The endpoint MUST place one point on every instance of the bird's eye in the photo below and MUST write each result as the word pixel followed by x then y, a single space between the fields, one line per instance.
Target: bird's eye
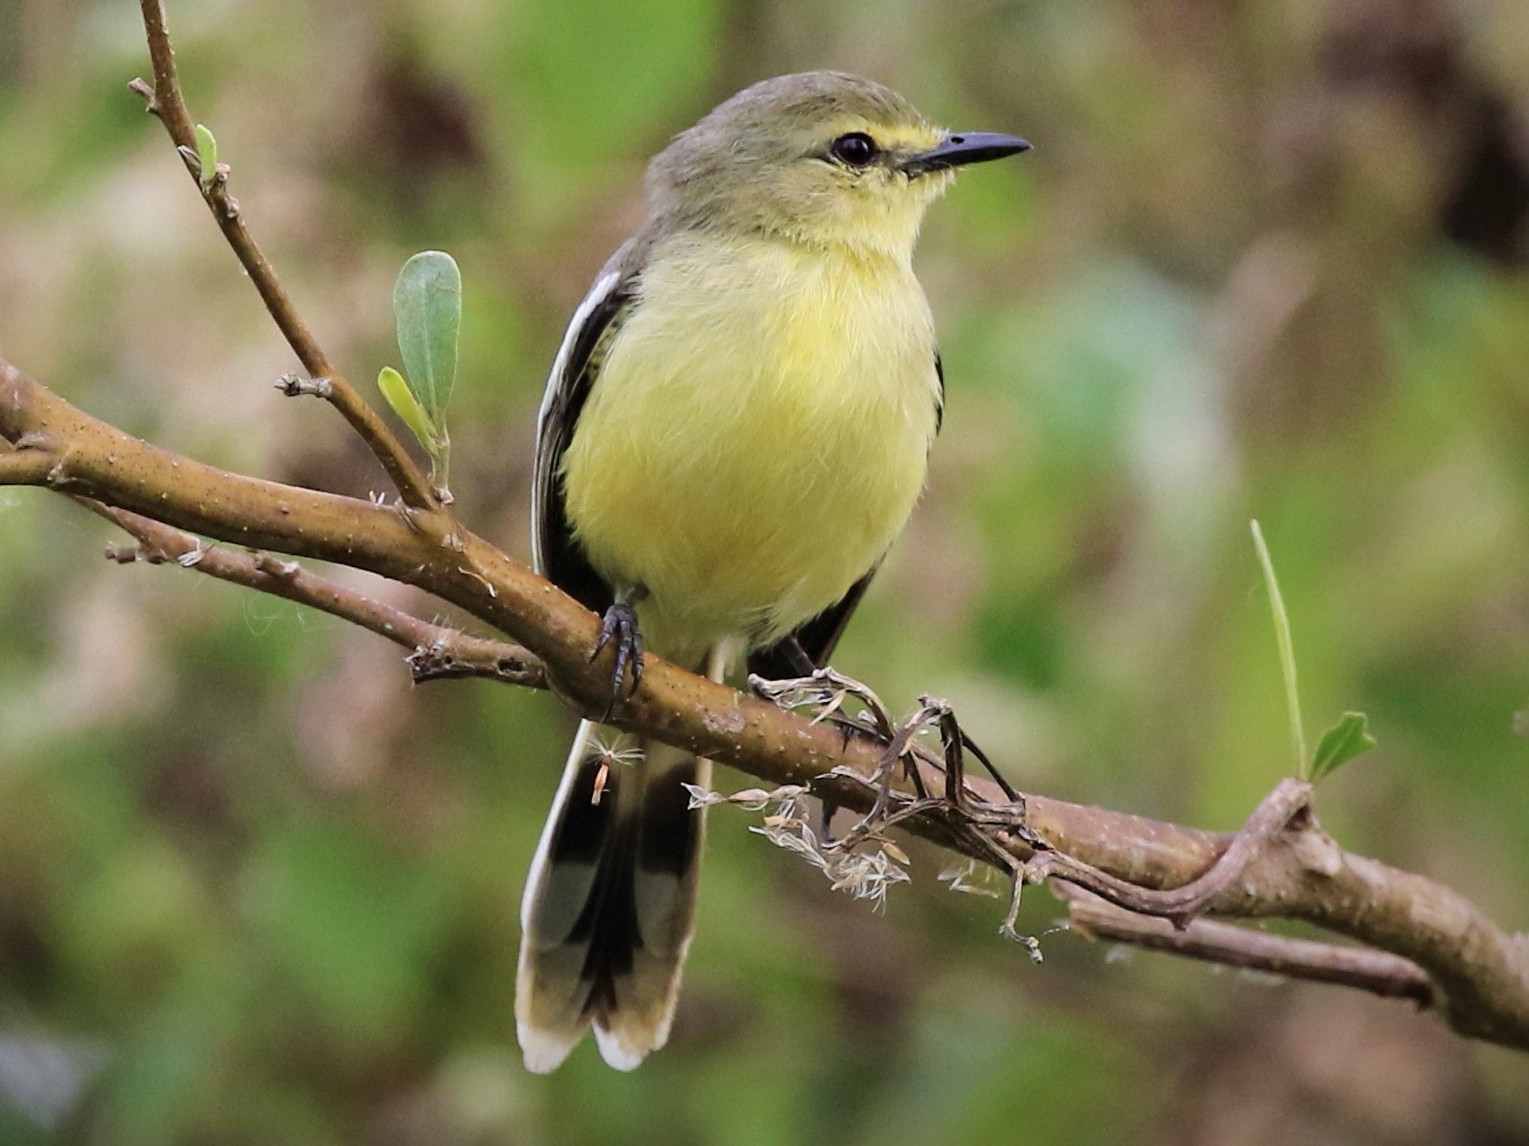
pixel 855 149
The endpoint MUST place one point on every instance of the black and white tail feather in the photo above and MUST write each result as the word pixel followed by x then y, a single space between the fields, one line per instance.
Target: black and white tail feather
pixel 610 903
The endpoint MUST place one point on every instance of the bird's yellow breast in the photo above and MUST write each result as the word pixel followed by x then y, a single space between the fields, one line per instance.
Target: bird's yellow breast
pixel 756 437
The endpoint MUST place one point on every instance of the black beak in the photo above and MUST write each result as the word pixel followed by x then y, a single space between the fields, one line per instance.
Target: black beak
pixel 963 147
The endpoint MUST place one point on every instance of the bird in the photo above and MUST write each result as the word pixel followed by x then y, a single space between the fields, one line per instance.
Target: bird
pixel 735 430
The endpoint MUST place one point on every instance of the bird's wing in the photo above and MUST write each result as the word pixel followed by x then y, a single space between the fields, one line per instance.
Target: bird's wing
pixel 554 551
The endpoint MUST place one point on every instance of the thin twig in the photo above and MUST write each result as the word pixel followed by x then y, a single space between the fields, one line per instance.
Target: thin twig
pixel 466 655
pixel 23 466
pixel 166 101
pixel 453 652
pixel 1273 815
pixel 296 386
pixel 1378 972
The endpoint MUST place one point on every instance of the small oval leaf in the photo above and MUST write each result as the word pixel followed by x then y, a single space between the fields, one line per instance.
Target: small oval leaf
pixel 1349 738
pixel 206 155
pixel 396 391
pixel 427 305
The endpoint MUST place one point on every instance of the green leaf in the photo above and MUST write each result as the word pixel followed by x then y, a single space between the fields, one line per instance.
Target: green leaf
pixel 1349 738
pixel 206 155
pixel 427 305
pixel 401 399
pixel 1286 652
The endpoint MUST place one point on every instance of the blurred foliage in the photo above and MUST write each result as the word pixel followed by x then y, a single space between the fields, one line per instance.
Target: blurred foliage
pixel 1266 260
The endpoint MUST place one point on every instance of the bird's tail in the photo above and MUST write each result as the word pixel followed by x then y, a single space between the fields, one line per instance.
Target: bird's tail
pixel 610 901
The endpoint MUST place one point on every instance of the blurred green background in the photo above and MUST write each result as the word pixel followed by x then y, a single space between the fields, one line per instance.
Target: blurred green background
pixel 1266 260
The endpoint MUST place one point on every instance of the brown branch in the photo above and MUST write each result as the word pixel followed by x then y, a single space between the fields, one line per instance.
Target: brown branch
pixel 466 655
pixel 1180 904
pixel 436 651
pixel 166 101
pixel 24 467
pixel 1377 972
pixel 1480 974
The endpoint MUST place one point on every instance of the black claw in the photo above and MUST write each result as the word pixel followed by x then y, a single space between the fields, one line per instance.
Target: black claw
pixel 620 625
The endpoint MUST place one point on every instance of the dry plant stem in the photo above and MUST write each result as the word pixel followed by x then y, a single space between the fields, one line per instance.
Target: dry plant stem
pixel 1377 972
pixel 166 101
pixel 1480 973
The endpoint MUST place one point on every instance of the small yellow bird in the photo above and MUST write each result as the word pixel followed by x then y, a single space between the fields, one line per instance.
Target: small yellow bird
pixel 736 429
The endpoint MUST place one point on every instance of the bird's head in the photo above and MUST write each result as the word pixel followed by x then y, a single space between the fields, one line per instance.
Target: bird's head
pixel 822 158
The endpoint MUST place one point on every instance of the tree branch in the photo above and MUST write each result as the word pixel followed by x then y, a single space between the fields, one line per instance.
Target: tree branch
pixel 1479 975
pixel 165 101
pixel 24 467
pixel 1377 972
pixel 436 651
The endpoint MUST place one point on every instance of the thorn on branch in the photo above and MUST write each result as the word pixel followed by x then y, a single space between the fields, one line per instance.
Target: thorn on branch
pixel 137 86
pixel 488 586
pixel 144 553
pixel 295 386
pixel 274 566
pixel 124 554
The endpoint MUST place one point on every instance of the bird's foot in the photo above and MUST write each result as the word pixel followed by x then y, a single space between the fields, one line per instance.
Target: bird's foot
pixel 620 627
